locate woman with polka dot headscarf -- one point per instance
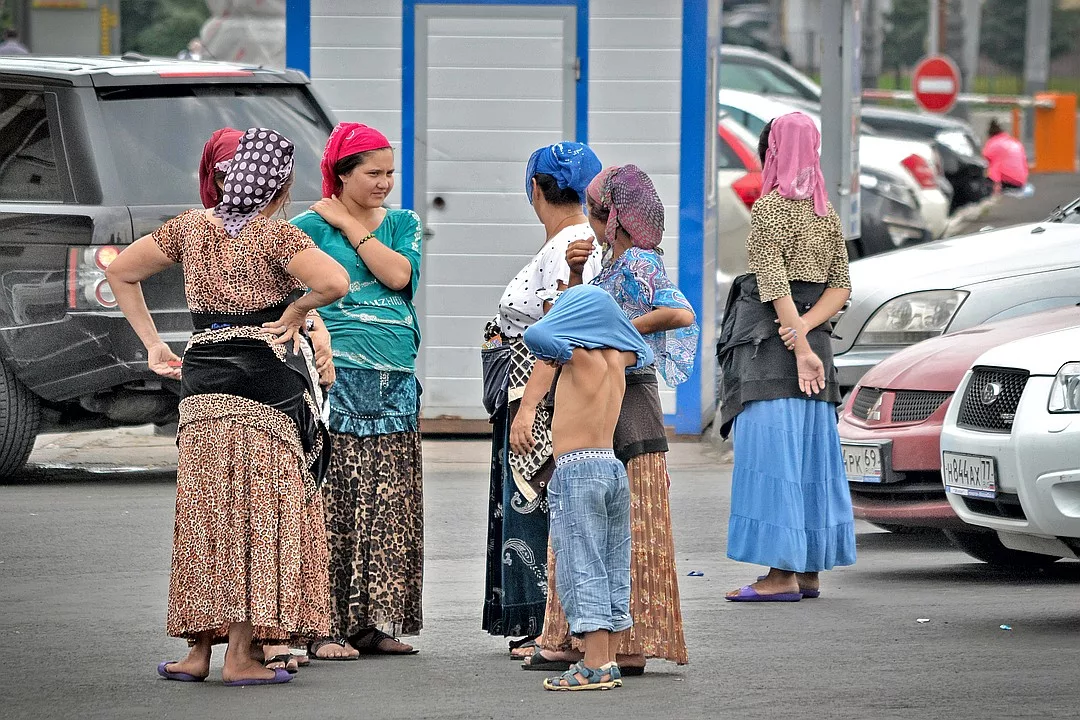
(249, 544)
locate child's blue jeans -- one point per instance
(589, 500)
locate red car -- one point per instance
(891, 425)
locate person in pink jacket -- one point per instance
(1008, 161)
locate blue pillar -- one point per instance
(298, 35)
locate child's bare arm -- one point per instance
(521, 437)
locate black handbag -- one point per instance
(495, 362)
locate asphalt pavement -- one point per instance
(84, 567)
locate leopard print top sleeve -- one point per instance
(169, 237)
(788, 242)
(766, 246)
(838, 269)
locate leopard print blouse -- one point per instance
(788, 241)
(232, 275)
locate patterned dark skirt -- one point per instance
(374, 504)
(516, 587)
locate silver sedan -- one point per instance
(903, 297)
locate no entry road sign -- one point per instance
(936, 83)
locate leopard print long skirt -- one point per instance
(247, 546)
(654, 581)
(374, 503)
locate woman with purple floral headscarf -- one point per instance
(627, 215)
(249, 544)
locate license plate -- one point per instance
(969, 475)
(863, 462)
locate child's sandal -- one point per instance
(593, 678)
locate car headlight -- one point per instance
(956, 141)
(909, 319)
(1065, 392)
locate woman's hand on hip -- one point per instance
(163, 361)
(324, 356)
(333, 211)
(521, 437)
(811, 372)
(288, 327)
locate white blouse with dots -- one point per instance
(522, 303)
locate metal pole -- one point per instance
(776, 24)
(841, 96)
(1036, 59)
(972, 11)
(933, 46)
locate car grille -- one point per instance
(1005, 505)
(912, 486)
(916, 405)
(991, 399)
(864, 401)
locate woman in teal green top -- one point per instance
(373, 495)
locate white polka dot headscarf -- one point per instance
(262, 164)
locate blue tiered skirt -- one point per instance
(790, 506)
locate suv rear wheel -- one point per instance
(20, 420)
(985, 546)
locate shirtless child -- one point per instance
(587, 334)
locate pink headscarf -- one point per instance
(792, 163)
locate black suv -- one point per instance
(95, 152)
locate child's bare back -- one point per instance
(588, 399)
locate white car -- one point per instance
(1010, 449)
(915, 162)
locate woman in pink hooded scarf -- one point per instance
(790, 507)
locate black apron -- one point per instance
(249, 368)
(754, 362)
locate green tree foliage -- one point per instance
(160, 27)
(905, 34)
(1003, 32)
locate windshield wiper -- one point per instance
(1061, 212)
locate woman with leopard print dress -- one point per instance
(249, 550)
(790, 506)
(374, 494)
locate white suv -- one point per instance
(1010, 449)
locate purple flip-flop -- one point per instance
(807, 594)
(280, 676)
(178, 676)
(749, 594)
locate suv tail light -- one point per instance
(920, 170)
(87, 288)
(748, 188)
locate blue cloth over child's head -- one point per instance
(585, 317)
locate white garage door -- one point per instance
(493, 84)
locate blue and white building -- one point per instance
(467, 90)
